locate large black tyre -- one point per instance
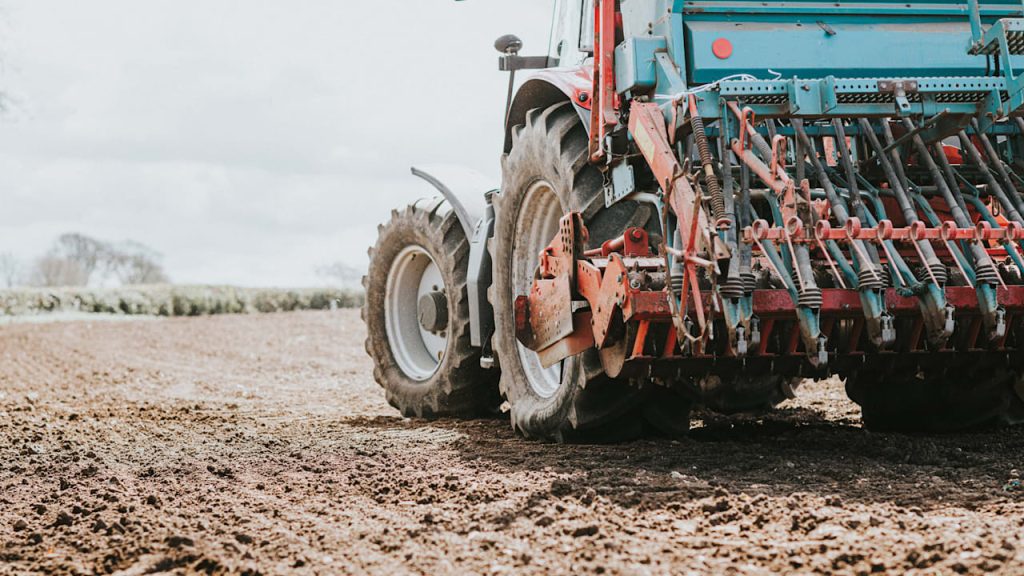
(456, 386)
(546, 175)
(938, 400)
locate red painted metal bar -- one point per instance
(761, 230)
(846, 303)
(603, 114)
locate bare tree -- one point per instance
(10, 270)
(89, 254)
(134, 263)
(79, 260)
(52, 271)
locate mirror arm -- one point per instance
(513, 62)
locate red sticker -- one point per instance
(721, 48)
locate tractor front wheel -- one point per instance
(417, 316)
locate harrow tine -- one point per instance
(981, 258)
(899, 185)
(957, 260)
(839, 208)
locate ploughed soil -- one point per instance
(260, 444)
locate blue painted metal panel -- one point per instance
(635, 66)
(807, 50)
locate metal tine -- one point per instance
(994, 187)
(807, 150)
(838, 205)
(1000, 166)
(897, 265)
(925, 250)
(801, 259)
(980, 256)
(852, 183)
(957, 182)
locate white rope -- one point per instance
(715, 85)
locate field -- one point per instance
(260, 444)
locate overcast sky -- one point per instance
(248, 141)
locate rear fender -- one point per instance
(469, 194)
(547, 88)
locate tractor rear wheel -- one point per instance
(938, 400)
(546, 175)
(417, 316)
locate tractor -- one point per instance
(705, 203)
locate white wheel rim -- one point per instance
(417, 351)
(537, 224)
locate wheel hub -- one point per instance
(416, 313)
(433, 309)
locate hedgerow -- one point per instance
(166, 300)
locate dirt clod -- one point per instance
(585, 531)
(64, 519)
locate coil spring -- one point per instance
(866, 279)
(707, 161)
(676, 282)
(810, 298)
(733, 288)
(749, 282)
(987, 274)
(940, 272)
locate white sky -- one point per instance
(248, 141)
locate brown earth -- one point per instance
(260, 444)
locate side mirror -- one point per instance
(508, 44)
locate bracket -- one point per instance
(899, 89)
